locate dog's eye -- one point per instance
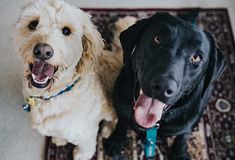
(157, 40)
(196, 58)
(33, 25)
(66, 31)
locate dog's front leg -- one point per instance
(179, 148)
(115, 142)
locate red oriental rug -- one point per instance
(214, 139)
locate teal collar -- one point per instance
(151, 142)
(67, 89)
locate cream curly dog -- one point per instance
(68, 77)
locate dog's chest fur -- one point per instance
(73, 112)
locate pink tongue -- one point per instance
(148, 111)
(48, 70)
(42, 69)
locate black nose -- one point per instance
(43, 51)
(164, 86)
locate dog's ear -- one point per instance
(92, 40)
(216, 65)
(92, 43)
(132, 35)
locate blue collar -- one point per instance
(30, 101)
(68, 88)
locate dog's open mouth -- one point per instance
(148, 111)
(41, 73)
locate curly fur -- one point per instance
(74, 116)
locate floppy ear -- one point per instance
(131, 36)
(92, 43)
(92, 40)
(216, 64)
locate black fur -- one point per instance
(171, 58)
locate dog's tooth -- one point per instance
(46, 79)
(34, 77)
(40, 82)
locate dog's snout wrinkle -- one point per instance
(43, 51)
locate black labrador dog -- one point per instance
(169, 68)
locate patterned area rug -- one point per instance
(214, 139)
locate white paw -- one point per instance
(106, 131)
(59, 141)
(77, 155)
(108, 128)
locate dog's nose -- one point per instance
(43, 51)
(164, 86)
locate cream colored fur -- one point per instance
(73, 116)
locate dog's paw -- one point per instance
(180, 156)
(59, 141)
(112, 148)
(77, 155)
(106, 131)
(107, 128)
